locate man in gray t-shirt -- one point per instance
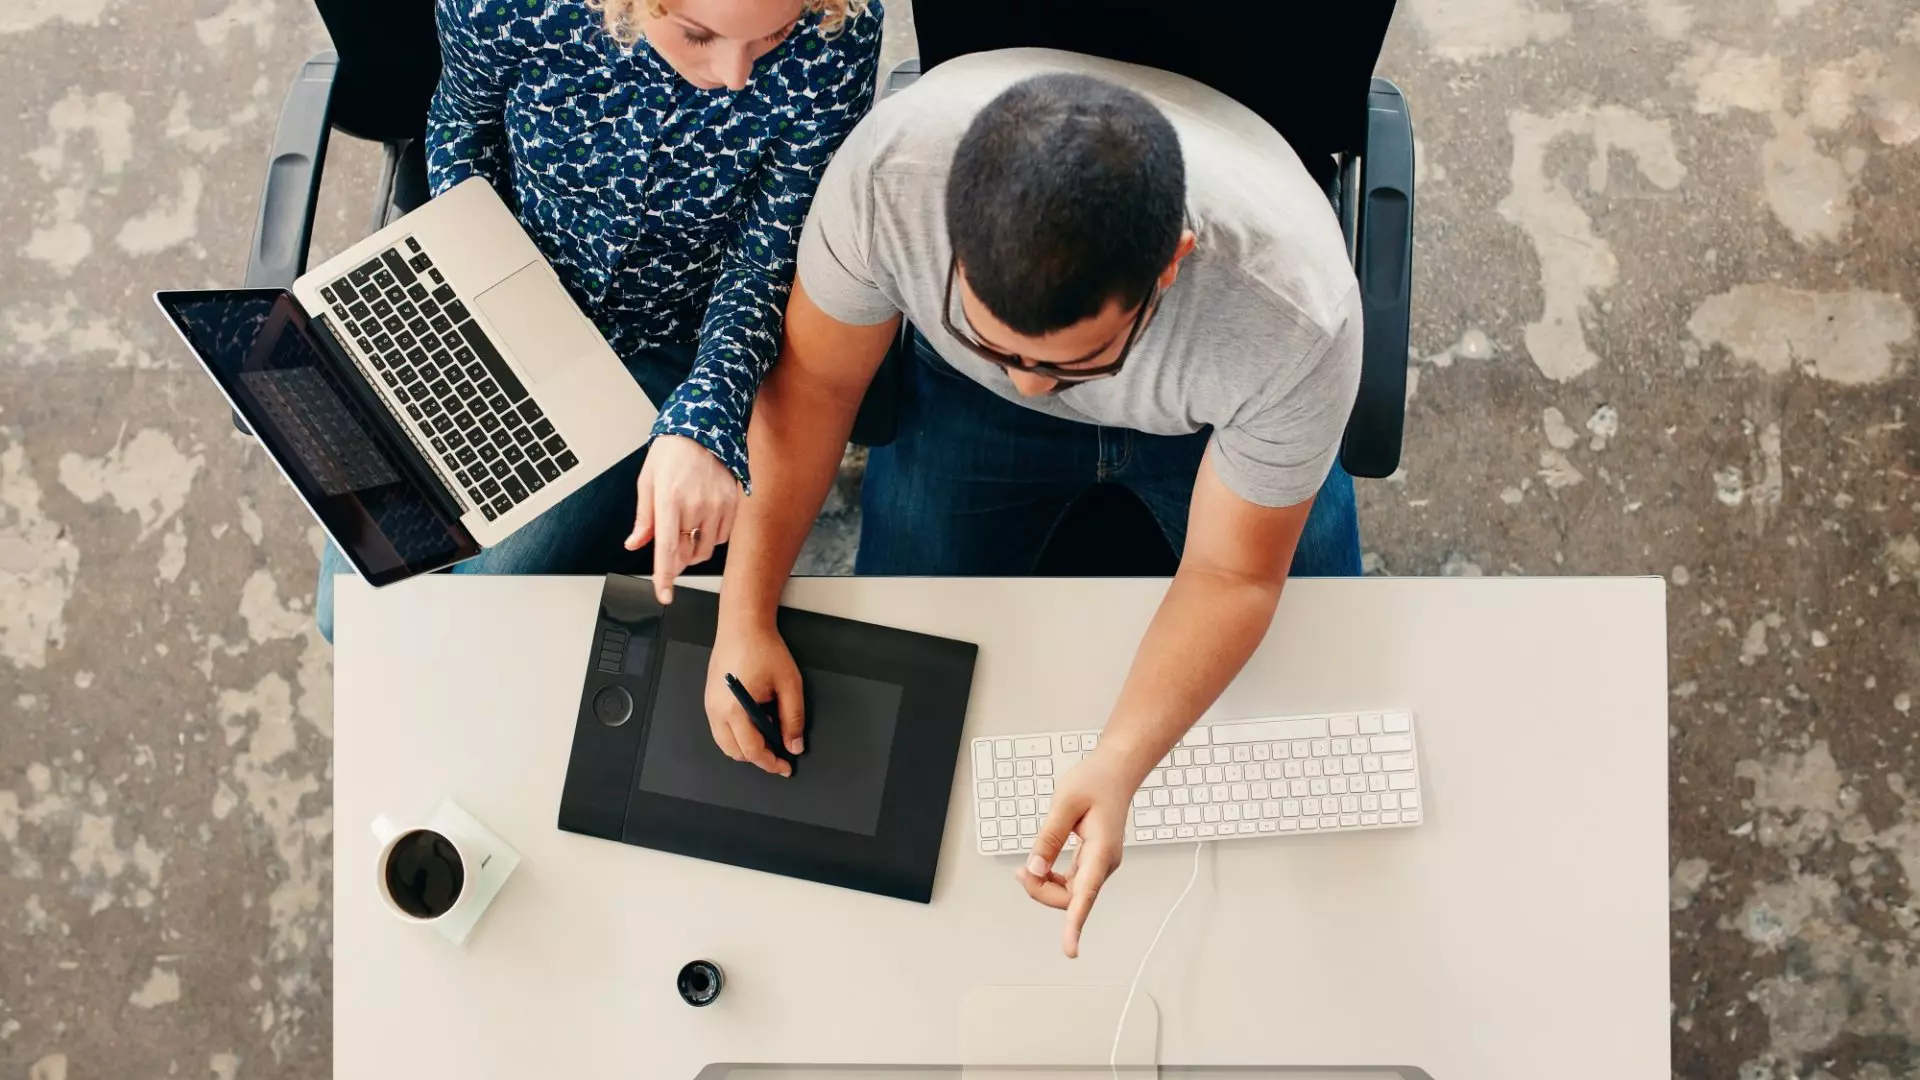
(1116, 275)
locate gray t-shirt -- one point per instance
(1259, 337)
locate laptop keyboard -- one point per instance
(438, 363)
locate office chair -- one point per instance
(1313, 82)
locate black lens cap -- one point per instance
(699, 983)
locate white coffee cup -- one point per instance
(424, 874)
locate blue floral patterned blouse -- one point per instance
(671, 213)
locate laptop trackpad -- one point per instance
(537, 323)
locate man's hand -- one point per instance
(759, 659)
(1092, 800)
(685, 506)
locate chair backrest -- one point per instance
(1305, 68)
(389, 64)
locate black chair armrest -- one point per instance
(902, 76)
(1381, 220)
(284, 228)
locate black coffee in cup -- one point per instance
(425, 874)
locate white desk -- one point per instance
(1521, 932)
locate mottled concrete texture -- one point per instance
(1665, 324)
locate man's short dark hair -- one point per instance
(1066, 193)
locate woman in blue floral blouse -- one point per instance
(663, 154)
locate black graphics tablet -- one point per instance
(867, 803)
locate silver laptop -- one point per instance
(428, 391)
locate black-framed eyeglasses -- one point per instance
(1014, 362)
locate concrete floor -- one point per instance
(1664, 325)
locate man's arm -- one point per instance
(1213, 617)
(799, 428)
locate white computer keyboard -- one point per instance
(1229, 780)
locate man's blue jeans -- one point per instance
(581, 535)
(974, 484)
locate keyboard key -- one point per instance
(489, 511)
(529, 476)
(502, 503)
(1396, 762)
(565, 460)
(443, 294)
(1343, 725)
(1387, 744)
(1390, 818)
(549, 471)
(1398, 721)
(1043, 785)
(498, 403)
(1267, 730)
(989, 829)
(513, 454)
(465, 455)
(1401, 781)
(1369, 723)
(439, 445)
(496, 364)
(1388, 800)
(1409, 800)
(1003, 770)
(398, 266)
(1025, 806)
(383, 280)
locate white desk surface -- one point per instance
(1520, 932)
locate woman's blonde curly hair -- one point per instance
(623, 24)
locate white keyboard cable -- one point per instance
(1113, 1055)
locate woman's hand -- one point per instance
(686, 505)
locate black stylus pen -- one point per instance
(768, 726)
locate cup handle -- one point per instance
(384, 830)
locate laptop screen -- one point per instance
(322, 430)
